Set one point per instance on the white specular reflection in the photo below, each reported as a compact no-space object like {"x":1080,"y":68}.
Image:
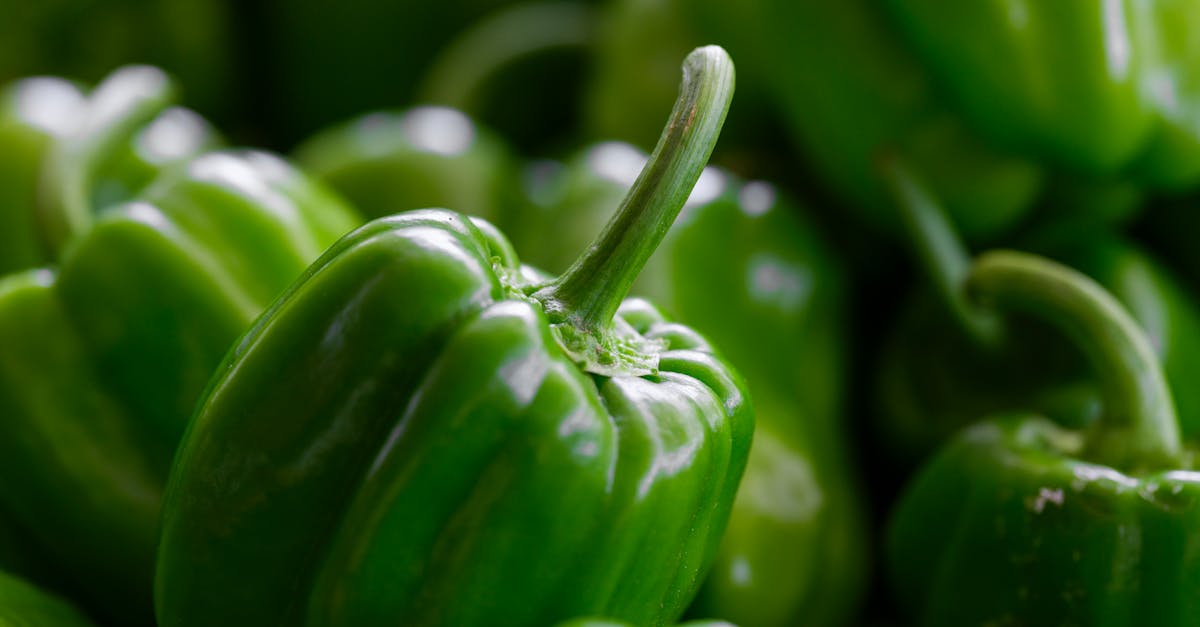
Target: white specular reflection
{"x":115,"y":95}
{"x":1116,"y":35}
{"x":245,"y":176}
{"x":709,"y":186}
{"x":790,"y":490}
{"x":757,"y":198}
{"x":617,"y":162}
{"x":440,"y":130}
{"x":50,"y":104}
{"x":1018,"y":14}
{"x":621,"y":163}
{"x":773,"y":281}
{"x":175,"y":134}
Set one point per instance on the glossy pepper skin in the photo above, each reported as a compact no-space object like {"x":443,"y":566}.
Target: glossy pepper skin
{"x":935,"y":377}
{"x":24,"y":605}
{"x":1041,"y":78}
{"x":745,"y":267}
{"x":1020,"y":521}
{"x":132,"y":317}
{"x":416,"y":411}
{"x":386,"y":162}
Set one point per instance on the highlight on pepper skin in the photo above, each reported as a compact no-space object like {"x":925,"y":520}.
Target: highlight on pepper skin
{"x":508,"y":312}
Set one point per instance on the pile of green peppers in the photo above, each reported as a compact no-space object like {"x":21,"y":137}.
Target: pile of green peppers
{"x":481,"y":340}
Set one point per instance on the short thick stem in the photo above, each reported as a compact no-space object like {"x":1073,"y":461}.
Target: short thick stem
{"x":588,"y":294}
{"x":1138,"y":427}
{"x":943,"y":256}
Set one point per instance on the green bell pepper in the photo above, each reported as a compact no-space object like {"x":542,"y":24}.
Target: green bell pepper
{"x":984,"y":100}
{"x":938,"y":373}
{"x":1019,"y":521}
{"x":33,"y":113}
{"x":745,"y":267}
{"x":143,"y":300}
{"x":853,"y":89}
{"x":385,"y":163}
{"x":1096,"y":86}
{"x":397,"y":436}
{"x":23,"y":605}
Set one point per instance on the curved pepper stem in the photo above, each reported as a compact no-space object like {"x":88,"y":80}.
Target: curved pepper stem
{"x":942,"y":254}
{"x":460,"y":74}
{"x":1138,"y":428}
{"x":118,"y":107}
{"x":588,"y":294}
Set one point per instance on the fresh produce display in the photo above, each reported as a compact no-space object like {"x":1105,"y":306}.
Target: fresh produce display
{"x":370,"y":313}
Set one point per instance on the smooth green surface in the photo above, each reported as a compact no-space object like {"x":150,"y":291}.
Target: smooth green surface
{"x":425,"y":157}
{"x":1020,"y":70}
{"x":849,"y":88}
{"x":748,"y":271}
{"x":1095,"y":86}
{"x":105,"y":357}
{"x":410,"y":414}
{"x":1008,"y":525}
{"x":23,"y":605}
{"x":1171,"y":81}
{"x":745,"y":267}
{"x":403,"y":361}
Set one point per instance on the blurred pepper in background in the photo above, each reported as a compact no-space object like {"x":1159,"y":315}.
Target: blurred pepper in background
{"x":940,"y":371}
{"x":387,"y":162}
{"x":155,"y":253}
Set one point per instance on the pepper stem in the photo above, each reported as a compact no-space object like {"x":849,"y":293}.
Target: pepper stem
{"x":1138,"y":427}
{"x":588,"y":294}
{"x":118,"y":107}
{"x":941,"y":253}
